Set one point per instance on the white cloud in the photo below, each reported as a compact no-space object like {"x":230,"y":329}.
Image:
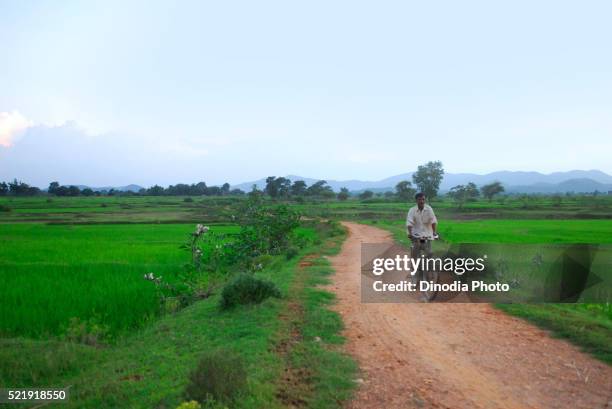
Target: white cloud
{"x":72,"y":155}
{"x":12,"y":125}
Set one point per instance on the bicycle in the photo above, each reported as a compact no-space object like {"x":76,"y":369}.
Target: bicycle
{"x":424,"y":274}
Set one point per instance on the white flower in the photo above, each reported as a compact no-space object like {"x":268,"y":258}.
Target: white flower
{"x":201,"y":229}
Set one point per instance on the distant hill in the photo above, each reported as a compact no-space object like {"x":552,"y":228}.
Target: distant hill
{"x":514,"y":182}
{"x":128,"y":188}
{"x":573,"y":185}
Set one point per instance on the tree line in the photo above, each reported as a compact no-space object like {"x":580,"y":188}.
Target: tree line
{"x":18,"y":188}
{"x":426,"y":179}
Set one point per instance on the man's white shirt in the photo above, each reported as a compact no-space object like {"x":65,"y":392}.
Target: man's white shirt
{"x":421,"y":221}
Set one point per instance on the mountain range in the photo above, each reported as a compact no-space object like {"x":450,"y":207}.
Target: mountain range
{"x":578,"y":181}
{"x":127,"y":188}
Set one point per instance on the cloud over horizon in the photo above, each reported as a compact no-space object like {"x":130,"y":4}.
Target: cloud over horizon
{"x":12,"y":125}
{"x":71,"y":155}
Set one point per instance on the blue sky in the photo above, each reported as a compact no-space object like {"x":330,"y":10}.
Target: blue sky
{"x":107,"y":93}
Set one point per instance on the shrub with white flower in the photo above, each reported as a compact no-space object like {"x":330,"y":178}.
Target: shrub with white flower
{"x":195,"y":238}
{"x":151,"y":277}
{"x":200,"y":229}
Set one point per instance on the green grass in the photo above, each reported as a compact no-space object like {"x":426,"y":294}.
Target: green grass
{"x":88,"y":262}
{"x":50,"y":274}
{"x":333,"y":373}
{"x":173,"y":209}
{"x":116,"y":209}
{"x":512,"y":231}
{"x":318,"y":374}
{"x":543,"y":207}
{"x":150,"y":367}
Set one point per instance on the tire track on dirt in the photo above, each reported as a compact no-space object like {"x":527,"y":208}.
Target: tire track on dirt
{"x":456,"y":355}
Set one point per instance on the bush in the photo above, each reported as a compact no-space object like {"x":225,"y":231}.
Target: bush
{"x":265,"y":230}
{"x":4,"y":208}
{"x":188,"y":200}
{"x":292,"y":252}
{"x":221,"y":375}
{"x":246,"y":289}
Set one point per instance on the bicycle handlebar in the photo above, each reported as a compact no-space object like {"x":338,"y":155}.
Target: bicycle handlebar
{"x":426,"y":238}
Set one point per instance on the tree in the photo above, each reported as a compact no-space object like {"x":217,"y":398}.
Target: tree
{"x":320,"y":189}
{"x":298,"y":188}
{"x":271,"y":188}
{"x":225,"y":189}
{"x":14,"y":187}
{"x":366,"y":194}
{"x":404,"y":190}
{"x":461,"y":193}
{"x":53,"y":187}
{"x":61,"y":191}
{"x":344,"y":194}
{"x":18,"y":188}
{"x":491,"y":190}
{"x":428,"y":178}
{"x":199,"y":189}
{"x":73,"y":191}
{"x":255,"y":194}
{"x":277,"y":187}
{"x":214,"y":191}
{"x":284,"y":186}
{"x":155,"y":190}
{"x":87,"y":192}
{"x":472,"y":191}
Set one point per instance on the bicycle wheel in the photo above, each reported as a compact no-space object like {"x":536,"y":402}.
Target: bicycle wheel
{"x":432,"y":277}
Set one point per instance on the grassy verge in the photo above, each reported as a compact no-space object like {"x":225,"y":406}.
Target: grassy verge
{"x":588,"y":329}
{"x":150,"y":368}
{"x":317,"y":373}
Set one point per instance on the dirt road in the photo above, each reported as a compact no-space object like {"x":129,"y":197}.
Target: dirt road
{"x":456,"y":355}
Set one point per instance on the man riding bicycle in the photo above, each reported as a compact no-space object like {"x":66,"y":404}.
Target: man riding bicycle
{"x":421,"y":225}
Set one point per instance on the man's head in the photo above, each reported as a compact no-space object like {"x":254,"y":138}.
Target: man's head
{"x":420,"y":199}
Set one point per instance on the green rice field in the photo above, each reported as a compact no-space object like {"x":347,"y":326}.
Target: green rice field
{"x":51,"y":273}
